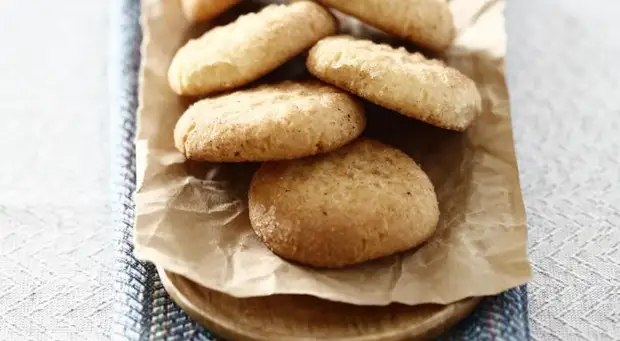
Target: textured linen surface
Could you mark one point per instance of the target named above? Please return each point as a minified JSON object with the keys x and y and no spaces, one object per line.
{"x":564,"y":81}
{"x":56,"y":237}
{"x":57,"y":243}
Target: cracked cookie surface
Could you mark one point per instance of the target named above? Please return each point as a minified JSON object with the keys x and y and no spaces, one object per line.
{"x":408,"y":83}
{"x":270,"y":122}
{"x":427,"y":23}
{"x":363,"y":201}
{"x":230,"y":56}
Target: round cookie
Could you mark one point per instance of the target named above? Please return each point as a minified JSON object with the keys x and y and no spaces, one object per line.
{"x":427,"y":23}
{"x":255,"y":44}
{"x":270,"y":122}
{"x":407,"y":83}
{"x":205,"y":10}
{"x":363,"y":201}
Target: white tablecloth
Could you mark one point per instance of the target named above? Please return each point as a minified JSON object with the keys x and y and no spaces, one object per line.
{"x":564,"y":80}
{"x":56,"y":246}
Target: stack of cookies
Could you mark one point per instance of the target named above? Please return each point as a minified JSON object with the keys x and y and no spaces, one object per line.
{"x":324,"y":195}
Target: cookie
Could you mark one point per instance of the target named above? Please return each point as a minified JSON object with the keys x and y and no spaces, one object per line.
{"x":255,"y":44}
{"x":205,"y":10}
{"x":363,"y":201}
{"x":407,"y":83}
{"x":427,"y":23}
{"x":270,"y":122}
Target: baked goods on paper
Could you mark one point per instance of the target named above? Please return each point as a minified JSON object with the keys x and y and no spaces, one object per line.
{"x":192,"y":216}
{"x":363,"y":201}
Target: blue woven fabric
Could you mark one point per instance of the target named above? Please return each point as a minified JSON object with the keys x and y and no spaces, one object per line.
{"x":143,"y":309}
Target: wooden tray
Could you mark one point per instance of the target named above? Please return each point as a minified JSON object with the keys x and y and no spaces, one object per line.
{"x":305,"y":318}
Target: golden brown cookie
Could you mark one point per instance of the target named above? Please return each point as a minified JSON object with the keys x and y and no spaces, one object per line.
{"x":363,"y":201}
{"x":205,"y":10}
{"x":407,"y":83}
{"x":427,"y":23}
{"x":255,"y":44}
{"x":270,"y":122}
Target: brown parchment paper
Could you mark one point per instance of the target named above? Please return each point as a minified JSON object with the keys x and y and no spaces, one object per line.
{"x":191,"y":218}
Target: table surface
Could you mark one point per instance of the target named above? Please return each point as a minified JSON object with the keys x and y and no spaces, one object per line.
{"x":56,"y":246}
{"x":56,"y":237}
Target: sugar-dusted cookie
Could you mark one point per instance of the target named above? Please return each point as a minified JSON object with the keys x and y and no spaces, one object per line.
{"x":270,"y":122}
{"x":407,"y":83}
{"x":205,"y":10}
{"x":255,"y":44}
{"x":363,"y":201}
{"x":427,"y":23}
